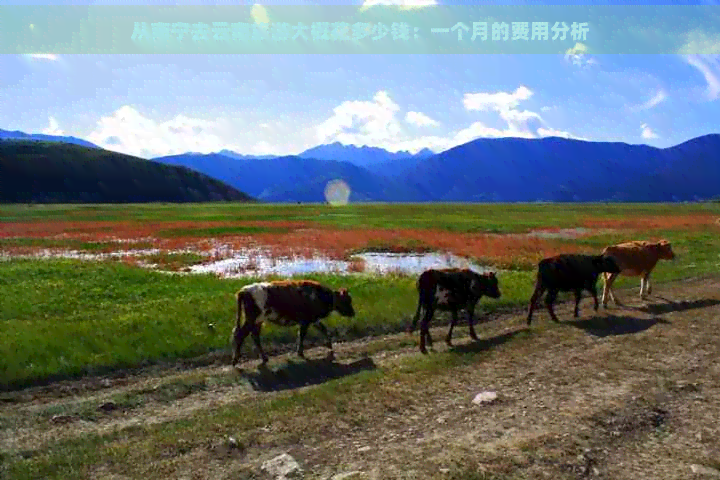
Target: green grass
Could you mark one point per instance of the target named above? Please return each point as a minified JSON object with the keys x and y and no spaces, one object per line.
{"x":65,"y":317}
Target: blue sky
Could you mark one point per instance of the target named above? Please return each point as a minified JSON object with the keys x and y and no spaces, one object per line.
{"x":152,"y":105}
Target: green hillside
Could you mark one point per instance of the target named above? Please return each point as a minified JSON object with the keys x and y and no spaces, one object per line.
{"x":52,"y":172}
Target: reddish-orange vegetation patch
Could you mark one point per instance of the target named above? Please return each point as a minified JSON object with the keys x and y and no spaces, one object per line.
{"x":655,"y":222}
{"x":496,"y":249}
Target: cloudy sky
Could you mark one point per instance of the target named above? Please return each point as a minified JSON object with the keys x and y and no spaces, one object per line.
{"x":152,"y":105}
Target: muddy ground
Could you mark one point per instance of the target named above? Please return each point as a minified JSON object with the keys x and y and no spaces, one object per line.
{"x":632,"y":392}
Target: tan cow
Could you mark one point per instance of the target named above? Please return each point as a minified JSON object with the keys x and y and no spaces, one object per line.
{"x":636,"y":259}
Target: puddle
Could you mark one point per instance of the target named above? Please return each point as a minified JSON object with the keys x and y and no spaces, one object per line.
{"x":261,"y":264}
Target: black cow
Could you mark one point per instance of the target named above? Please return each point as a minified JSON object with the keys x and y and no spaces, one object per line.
{"x":451,"y":289}
{"x":569,"y":272}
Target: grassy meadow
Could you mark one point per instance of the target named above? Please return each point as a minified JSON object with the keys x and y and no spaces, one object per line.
{"x":64,"y":317}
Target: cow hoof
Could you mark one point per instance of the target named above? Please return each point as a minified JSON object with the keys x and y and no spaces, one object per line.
{"x":475,"y":338}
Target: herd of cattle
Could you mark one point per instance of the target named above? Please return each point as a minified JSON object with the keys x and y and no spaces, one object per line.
{"x":306,"y":302}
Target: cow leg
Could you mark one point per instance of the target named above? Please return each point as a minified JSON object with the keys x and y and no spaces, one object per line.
{"x":323,"y":329}
{"x":256,"y":339}
{"x":411,"y":328}
{"x":239,"y":335}
{"x":605,"y":277}
{"x":578,"y":297}
{"x":301,"y":339}
{"x":539,"y":290}
{"x":608,"y":287}
{"x":454,"y":320}
{"x":644,"y":286}
{"x":471,"y":321}
{"x":593,"y":291}
{"x":424,"y":330}
{"x":549,"y":300}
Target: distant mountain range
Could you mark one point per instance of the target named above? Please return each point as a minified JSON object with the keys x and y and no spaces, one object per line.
{"x":488,"y":169}
{"x":484,"y":170}
{"x":41,"y":137}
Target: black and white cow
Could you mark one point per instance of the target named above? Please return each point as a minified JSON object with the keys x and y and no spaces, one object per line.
{"x":450,"y":289}
{"x":286,"y":303}
{"x":569,"y":272}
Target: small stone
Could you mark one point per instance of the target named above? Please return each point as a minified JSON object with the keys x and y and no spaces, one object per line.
{"x":703,"y":470}
{"x":232,"y":442}
{"x":364,"y":449}
{"x":484,"y":397}
{"x":105,"y":383}
{"x":62,"y":418}
{"x":282,"y":467}
{"x":444,"y":470}
{"x":355,"y":474}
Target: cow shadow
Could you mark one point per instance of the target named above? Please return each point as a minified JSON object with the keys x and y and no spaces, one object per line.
{"x":303,"y":373}
{"x":483,"y":344}
{"x":612,"y":325}
{"x":671,"y":306}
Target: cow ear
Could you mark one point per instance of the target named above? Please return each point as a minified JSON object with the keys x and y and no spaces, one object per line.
{"x":342,"y":292}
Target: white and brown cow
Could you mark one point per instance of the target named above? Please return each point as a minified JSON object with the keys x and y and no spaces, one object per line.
{"x":450,"y":289}
{"x":286,"y":303}
{"x":636,"y":259}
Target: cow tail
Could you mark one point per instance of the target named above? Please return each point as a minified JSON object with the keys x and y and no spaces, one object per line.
{"x":239,"y":297}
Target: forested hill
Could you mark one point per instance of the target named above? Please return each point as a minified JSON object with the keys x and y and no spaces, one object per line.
{"x":53,"y":172}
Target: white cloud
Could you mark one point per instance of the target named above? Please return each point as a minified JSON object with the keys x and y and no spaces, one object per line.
{"x":496,"y":101}
{"x":419,"y":119}
{"x":647,"y":132}
{"x":402,"y":4}
{"x":128,"y":131}
{"x":43,"y":56}
{"x":578,"y":55}
{"x":53,"y":127}
{"x":374,"y":123}
{"x":659,"y":97}
{"x":550,"y":132}
{"x":700,"y":43}
{"x":259,"y":15}
{"x":362,"y":121}
{"x":709,"y":66}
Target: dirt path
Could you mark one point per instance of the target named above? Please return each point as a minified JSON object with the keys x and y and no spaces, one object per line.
{"x":631,"y":392}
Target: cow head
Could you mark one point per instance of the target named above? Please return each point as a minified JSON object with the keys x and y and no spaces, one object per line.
{"x":487,"y":284}
{"x":664,"y":250}
{"x":342,"y":302}
{"x":606,"y":263}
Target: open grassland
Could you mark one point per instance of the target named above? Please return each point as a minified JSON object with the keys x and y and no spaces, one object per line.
{"x":65,"y":317}
{"x":629,"y":393}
